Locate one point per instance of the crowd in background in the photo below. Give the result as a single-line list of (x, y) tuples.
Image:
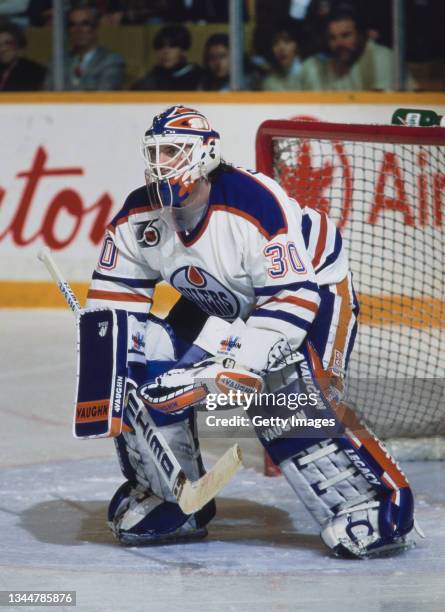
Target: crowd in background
[(297, 45)]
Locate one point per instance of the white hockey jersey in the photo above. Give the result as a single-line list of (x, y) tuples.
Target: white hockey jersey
[(256, 254)]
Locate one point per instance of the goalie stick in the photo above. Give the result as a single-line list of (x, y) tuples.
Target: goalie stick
[(191, 496)]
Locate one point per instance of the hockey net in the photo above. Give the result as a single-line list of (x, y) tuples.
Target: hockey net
[(385, 188)]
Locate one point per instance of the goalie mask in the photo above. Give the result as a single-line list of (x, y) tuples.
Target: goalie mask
[(180, 150)]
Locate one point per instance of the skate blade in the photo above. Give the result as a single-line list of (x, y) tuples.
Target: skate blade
[(163, 539), (389, 550)]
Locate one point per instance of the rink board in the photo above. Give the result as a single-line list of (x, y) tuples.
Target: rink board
[(69, 161)]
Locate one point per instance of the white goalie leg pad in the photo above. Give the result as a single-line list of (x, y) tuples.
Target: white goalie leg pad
[(358, 515), (326, 480), (181, 441)]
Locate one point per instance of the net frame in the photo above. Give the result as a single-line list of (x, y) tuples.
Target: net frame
[(405, 447)]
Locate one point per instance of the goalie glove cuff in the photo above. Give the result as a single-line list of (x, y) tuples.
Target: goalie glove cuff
[(262, 350), (213, 331)]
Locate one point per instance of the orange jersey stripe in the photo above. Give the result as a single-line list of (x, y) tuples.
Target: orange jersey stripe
[(118, 297), (293, 300), (343, 322)]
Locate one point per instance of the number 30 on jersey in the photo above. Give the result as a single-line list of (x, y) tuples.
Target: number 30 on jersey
[(283, 258)]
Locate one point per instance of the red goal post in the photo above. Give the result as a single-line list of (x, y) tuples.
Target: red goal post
[(384, 186)]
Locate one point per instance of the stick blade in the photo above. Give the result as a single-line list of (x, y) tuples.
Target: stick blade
[(195, 495)]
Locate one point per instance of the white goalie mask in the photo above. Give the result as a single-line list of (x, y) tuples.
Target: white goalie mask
[(180, 150)]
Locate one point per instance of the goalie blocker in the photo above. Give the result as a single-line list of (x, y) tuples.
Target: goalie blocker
[(102, 339)]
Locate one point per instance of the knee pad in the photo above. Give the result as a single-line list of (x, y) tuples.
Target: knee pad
[(137, 516)]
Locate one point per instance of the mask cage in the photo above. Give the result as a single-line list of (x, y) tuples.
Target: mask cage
[(180, 156)]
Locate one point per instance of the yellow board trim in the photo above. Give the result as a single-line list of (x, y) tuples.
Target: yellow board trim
[(235, 97), (45, 294), (375, 310)]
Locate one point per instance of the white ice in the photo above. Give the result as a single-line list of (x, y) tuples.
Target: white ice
[(262, 553)]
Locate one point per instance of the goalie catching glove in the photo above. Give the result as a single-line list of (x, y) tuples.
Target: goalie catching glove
[(177, 390), (242, 358)]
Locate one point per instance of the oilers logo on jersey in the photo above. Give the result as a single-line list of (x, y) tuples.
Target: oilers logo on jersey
[(206, 291)]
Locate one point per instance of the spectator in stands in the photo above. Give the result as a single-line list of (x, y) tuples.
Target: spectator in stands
[(172, 71), (216, 62), (270, 13), (285, 60), (17, 73), (354, 62), (89, 67), (376, 16)]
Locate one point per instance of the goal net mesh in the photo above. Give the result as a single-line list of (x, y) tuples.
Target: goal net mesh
[(388, 201)]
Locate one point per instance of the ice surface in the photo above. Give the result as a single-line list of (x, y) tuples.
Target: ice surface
[(262, 553)]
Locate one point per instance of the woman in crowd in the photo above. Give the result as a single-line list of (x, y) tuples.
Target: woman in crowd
[(17, 73), (285, 59)]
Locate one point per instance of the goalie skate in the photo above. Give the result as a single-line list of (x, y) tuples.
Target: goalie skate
[(354, 533), (137, 516)]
